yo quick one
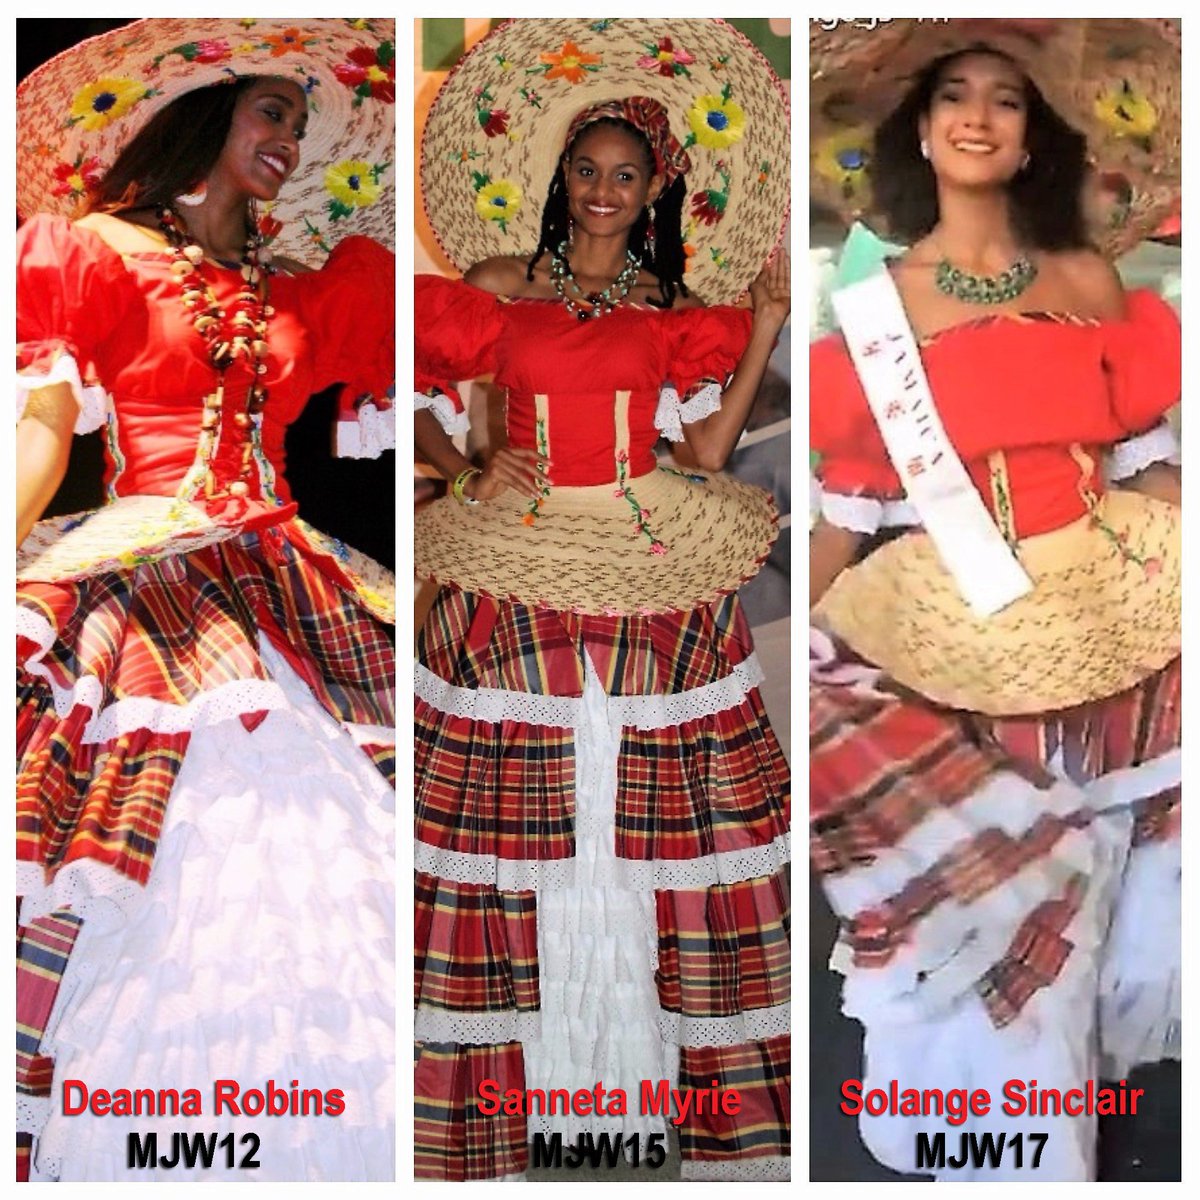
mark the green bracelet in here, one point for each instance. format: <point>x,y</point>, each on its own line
<point>460,482</point>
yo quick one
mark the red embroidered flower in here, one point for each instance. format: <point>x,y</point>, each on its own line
<point>658,548</point>
<point>78,177</point>
<point>665,59</point>
<point>622,456</point>
<point>705,209</point>
<point>1152,567</point>
<point>269,227</point>
<point>370,73</point>
<point>211,50</point>
<point>494,121</point>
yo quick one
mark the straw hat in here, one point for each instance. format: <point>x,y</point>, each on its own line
<point>1115,80</point>
<point>497,129</point>
<point>76,112</point>
<point>692,538</point>
<point>1104,614</point>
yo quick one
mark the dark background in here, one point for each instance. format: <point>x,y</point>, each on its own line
<point>353,499</point>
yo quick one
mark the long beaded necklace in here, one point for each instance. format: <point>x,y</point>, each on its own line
<point>602,303</point>
<point>985,289</point>
<point>229,334</point>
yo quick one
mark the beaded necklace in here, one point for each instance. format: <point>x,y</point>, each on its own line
<point>602,303</point>
<point>985,289</point>
<point>229,334</point>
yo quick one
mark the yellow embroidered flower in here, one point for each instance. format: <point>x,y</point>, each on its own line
<point>353,183</point>
<point>498,201</point>
<point>842,158</point>
<point>1127,113</point>
<point>716,121</point>
<point>98,103</point>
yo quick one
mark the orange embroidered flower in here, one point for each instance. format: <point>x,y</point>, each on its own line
<point>570,63</point>
<point>281,43</point>
<point>528,519</point>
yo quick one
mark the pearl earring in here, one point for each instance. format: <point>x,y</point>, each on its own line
<point>924,149</point>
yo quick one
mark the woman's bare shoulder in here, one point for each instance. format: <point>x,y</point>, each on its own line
<point>503,275</point>
<point>1094,287</point>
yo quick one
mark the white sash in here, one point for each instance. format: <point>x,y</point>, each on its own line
<point>937,484</point>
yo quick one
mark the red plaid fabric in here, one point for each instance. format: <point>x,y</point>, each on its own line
<point>475,641</point>
<point>475,947</point>
<point>43,948</point>
<point>171,631</point>
<point>724,950</point>
<point>880,765</point>
<point>24,1153</point>
<point>715,784</point>
<point>452,1139</point>
<point>760,1072</point>
<point>505,789</point>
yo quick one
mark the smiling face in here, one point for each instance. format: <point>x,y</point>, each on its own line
<point>262,148</point>
<point>976,122</point>
<point>610,180</point>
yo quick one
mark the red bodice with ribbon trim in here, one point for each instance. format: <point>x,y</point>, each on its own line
<point>1037,387</point>
<point>570,373</point>
<point>121,320</point>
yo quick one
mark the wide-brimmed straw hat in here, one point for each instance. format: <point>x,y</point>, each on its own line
<point>76,112</point>
<point>666,542</point>
<point>497,129</point>
<point>1116,80</point>
<point>1103,615</point>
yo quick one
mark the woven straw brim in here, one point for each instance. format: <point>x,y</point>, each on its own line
<point>464,154</point>
<point>77,111</point>
<point>1095,624</point>
<point>1118,81</point>
<point>583,552</point>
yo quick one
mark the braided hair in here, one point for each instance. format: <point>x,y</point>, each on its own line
<point>666,262</point>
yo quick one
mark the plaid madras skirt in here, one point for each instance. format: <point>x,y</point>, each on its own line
<point>114,671</point>
<point>698,826</point>
<point>922,815</point>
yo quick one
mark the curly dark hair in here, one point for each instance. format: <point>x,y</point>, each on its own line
<point>667,261</point>
<point>1047,196</point>
<point>178,147</point>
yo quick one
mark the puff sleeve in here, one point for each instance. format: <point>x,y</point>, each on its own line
<point>704,348</point>
<point>859,489</point>
<point>72,293</point>
<point>457,330</point>
<point>353,316</point>
<point>1142,355</point>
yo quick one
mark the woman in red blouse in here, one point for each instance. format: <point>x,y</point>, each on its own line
<point>974,803</point>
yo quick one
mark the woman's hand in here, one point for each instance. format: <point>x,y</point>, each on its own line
<point>771,291</point>
<point>522,470</point>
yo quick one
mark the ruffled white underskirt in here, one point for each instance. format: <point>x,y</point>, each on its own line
<point>263,948</point>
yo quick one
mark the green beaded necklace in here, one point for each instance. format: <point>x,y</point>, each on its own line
<point>985,289</point>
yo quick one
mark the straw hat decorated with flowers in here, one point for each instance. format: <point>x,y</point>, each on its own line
<point>499,124</point>
<point>1115,80</point>
<point>77,111</point>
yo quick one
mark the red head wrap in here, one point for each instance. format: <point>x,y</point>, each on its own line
<point>649,117</point>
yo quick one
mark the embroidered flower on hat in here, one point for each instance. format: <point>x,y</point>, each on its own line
<point>716,121</point>
<point>569,63</point>
<point>709,205</point>
<point>496,201</point>
<point>284,43</point>
<point>353,184</point>
<point>667,59</point>
<point>1127,113</point>
<point>204,50</point>
<point>99,103</point>
<point>843,158</point>
<point>493,121</point>
<point>371,74</point>
<point>79,177</point>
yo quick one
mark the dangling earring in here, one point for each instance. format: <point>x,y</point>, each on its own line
<point>193,198</point>
<point>1025,161</point>
<point>924,149</point>
<point>651,234</point>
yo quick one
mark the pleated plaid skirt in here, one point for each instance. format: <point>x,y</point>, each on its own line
<point>117,673</point>
<point>601,839</point>
<point>996,883</point>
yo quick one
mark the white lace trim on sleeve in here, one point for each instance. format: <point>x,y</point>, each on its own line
<point>865,514</point>
<point>92,400</point>
<point>370,435</point>
<point>1135,454</point>
<point>672,414</point>
<point>442,407</point>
